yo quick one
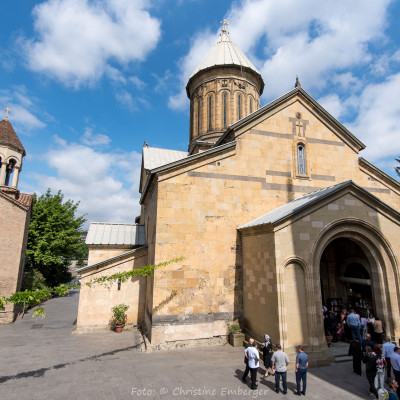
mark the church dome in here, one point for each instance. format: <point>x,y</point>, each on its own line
<point>224,88</point>
<point>224,53</point>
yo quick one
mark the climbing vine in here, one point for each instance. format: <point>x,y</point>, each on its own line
<point>32,298</point>
<point>108,280</point>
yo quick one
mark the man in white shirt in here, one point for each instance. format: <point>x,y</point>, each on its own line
<point>254,357</point>
<point>280,361</point>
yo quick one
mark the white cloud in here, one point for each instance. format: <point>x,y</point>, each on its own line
<point>21,105</point>
<point>377,123</point>
<point>106,184</point>
<point>333,105</point>
<point>94,139</point>
<point>76,39</point>
<point>201,44</point>
<point>137,82</point>
<point>316,46</point>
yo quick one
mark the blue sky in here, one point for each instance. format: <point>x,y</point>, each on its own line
<point>90,80</point>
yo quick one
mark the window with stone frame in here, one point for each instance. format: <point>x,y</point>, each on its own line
<point>301,159</point>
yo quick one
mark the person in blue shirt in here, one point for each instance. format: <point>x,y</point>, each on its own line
<point>301,370</point>
<point>354,324</point>
<point>395,361</point>
<point>387,351</point>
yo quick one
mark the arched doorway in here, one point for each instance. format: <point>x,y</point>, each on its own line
<point>345,274</point>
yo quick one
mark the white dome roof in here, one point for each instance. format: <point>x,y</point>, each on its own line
<point>224,52</point>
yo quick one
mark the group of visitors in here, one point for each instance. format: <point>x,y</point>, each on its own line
<point>379,360</point>
<point>348,324</point>
<point>276,361</point>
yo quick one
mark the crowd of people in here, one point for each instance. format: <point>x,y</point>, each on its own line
<point>277,362</point>
<point>365,347</point>
<point>341,326</point>
<point>368,344</point>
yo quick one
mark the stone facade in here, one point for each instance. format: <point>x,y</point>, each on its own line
<point>193,208</point>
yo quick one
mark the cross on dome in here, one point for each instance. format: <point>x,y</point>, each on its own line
<point>7,110</point>
<point>224,25</point>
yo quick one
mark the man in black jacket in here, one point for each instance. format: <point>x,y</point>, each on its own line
<point>370,369</point>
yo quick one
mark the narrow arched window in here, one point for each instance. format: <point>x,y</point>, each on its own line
<point>9,171</point>
<point>301,159</point>
<point>210,113</point>
<point>198,117</point>
<point>239,107</point>
<point>251,105</point>
<point>224,110</point>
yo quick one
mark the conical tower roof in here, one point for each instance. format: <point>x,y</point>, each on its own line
<point>225,52</point>
<point>9,138</point>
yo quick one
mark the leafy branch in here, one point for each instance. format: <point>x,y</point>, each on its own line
<point>31,298</point>
<point>109,280</point>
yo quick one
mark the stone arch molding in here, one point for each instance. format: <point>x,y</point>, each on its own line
<point>383,266</point>
<point>283,323</point>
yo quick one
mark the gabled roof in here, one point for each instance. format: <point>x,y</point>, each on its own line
<point>112,259</point>
<point>293,206</point>
<point>9,138</point>
<point>116,234</point>
<point>225,52</point>
<point>23,200</point>
<point>345,134</point>
<point>289,209</point>
<point>154,157</point>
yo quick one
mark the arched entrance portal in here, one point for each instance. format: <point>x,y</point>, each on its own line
<point>345,274</point>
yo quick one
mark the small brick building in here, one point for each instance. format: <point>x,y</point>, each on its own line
<point>274,211</point>
<point>15,214</point>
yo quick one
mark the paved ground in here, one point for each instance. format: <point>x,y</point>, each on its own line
<point>48,362</point>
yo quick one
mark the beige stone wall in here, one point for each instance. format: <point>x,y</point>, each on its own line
<point>199,207</point>
<point>94,312</point>
<point>98,253</point>
<point>14,225</point>
<point>260,298</point>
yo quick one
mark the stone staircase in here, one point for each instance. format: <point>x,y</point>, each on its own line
<point>340,351</point>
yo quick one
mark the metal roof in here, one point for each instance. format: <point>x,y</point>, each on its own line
<point>118,234</point>
<point>154,157</point>
<point>294,205</point>
<point>224,52</point>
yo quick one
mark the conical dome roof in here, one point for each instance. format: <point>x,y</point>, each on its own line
<point>9,138</point>
<point>224,52</point>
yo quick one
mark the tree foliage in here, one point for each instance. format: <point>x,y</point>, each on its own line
<point>397,169</point>
<point>55,237</point>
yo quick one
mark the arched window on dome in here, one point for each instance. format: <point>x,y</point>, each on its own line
<point>239,107</point>
<point>198,117</point>
<point>251,105</point>
<point>301,159</point>
<point>224,99</point>
<point>210,113</point>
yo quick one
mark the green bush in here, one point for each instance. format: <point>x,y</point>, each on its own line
<point>119,313</point>
<point>33,280</point>
<point>233,328</point>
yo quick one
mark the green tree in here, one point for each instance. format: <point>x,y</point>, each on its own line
<point>55,238</point>
<point>397,168</point>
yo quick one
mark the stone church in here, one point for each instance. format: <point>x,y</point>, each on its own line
<point>274,211</point>
<point>15,214</point>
